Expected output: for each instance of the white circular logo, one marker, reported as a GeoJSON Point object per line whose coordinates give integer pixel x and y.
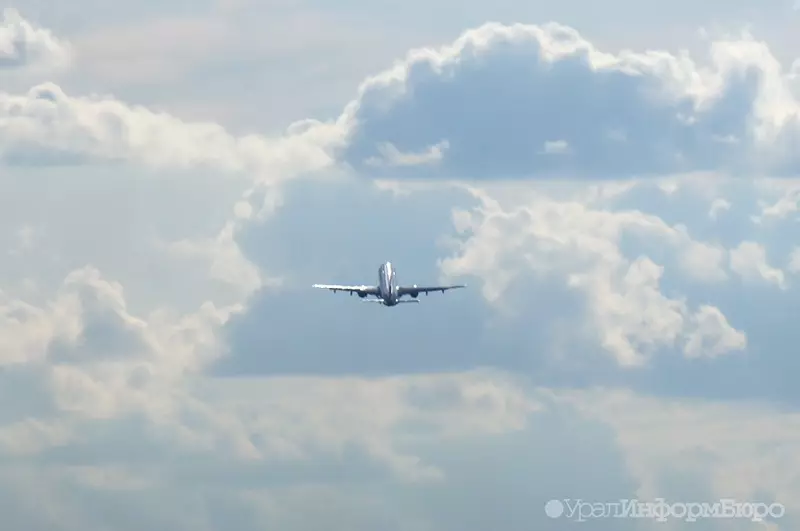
{"type": "Point", "coordinates": [554, 508]}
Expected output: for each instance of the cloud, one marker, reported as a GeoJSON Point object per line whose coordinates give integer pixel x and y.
{"type": "Point", "coordinates": [782, 206]}
{"type": "Point", "coordinates": [598, 446]}
{"type": "Point", "coordinates": [210, 62]}
{"type": "Point", "coordinates": [710, 439]}
{"type": "Point", "coordinates": [667, 328]}
{"type": "Point", "coordinates": [794, 260]}
{"type": "Point", "coordinates": [749, 260]}
{"type": "Point", "coordinates": [26, 46]}
{"type": "Point", "coordinates": [47, 126]}
{"type": "Point", "coordinates": [501, 94]}
{"type": "Point", "coordinates": [392, 157]}
{"type": "Point", "coordinates": [580, 247]}
{"type": "Point", "coordinates": [719, 205]}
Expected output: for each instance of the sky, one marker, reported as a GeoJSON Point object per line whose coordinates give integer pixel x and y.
{"type": "Point", "coordinates": [617, 185]}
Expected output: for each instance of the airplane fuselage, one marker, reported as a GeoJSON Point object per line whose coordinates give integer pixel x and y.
{"type": "Point", "coordinates": [387, 285]}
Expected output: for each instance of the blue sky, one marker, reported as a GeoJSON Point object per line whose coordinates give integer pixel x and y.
{"type": "Point", "coordinates": [616, 186]}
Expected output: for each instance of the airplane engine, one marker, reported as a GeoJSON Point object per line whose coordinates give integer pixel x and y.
{"type": "Point", "coordinates": [362, 294]}
{"type": "Point", "coordinates": [414, 294]}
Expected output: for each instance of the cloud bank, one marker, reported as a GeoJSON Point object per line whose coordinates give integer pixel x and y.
{"type": "Point", "coordinates": [525, 101]}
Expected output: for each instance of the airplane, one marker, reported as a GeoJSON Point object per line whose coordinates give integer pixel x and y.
{"type": "Point", "coordinates": [387, 292]}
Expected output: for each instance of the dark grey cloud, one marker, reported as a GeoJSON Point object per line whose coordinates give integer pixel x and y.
{"type": "Point", "coordinates": [298, 330]}
{"type": "Point", "coordinates": [503, 479]}
{"type": "Point", "coordinates": [341, 234]}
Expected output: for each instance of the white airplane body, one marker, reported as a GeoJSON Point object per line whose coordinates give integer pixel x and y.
{"type": "Point", "coordinates": [387, 292]}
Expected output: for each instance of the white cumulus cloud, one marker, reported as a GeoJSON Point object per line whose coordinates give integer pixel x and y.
{"type": "Point", "coordinates": [24, 45]}
{"type": "Point", "coordinates": [47, 126]}
{"type": "Point", "coordinates": [749, 260]}
{"type": "Point", "coordinates": [580, 246]}
{"type": "Point", "coordinates": [500, 93]}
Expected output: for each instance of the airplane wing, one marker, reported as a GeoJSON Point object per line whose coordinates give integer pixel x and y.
{"type": "Point", "coordinates": [416, 290]}
{"type": "Point", "coordinates": [362, 291]}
